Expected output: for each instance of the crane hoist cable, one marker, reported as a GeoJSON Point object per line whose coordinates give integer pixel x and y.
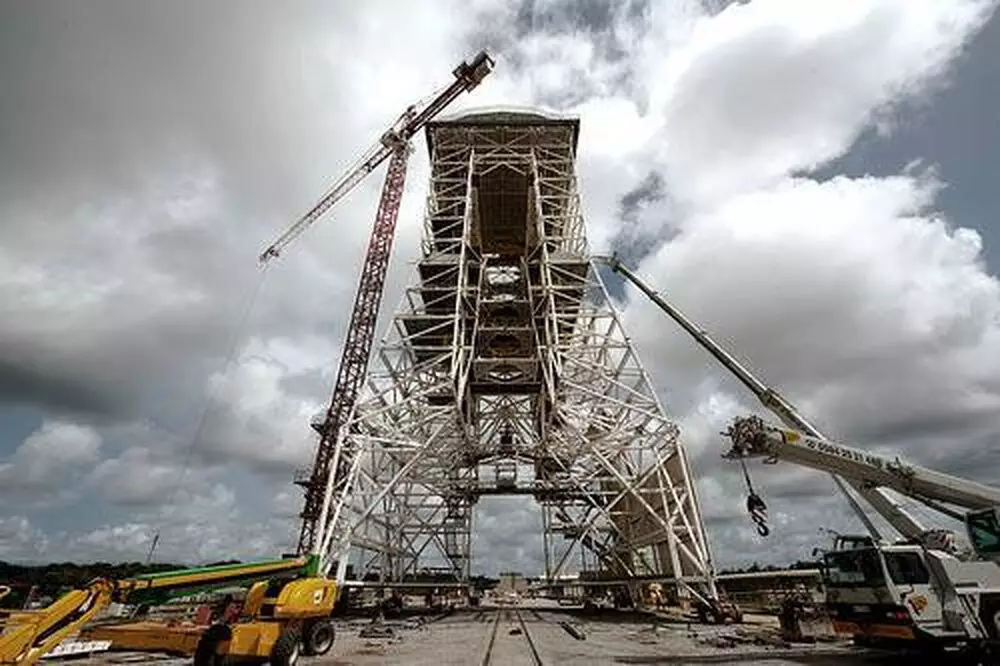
{"type": "Point", "coordinates": [235, 344]}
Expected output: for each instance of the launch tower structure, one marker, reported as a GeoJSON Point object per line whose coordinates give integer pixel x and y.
{"type": "Point", "coordinates": [506, 371]}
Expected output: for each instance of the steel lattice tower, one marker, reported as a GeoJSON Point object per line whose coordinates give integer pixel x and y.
{"type": "Point", "coordinates": [506, 371]}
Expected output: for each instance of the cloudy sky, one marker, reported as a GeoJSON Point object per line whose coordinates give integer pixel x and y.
{"type": "Point", "coordinates": [813, 182]}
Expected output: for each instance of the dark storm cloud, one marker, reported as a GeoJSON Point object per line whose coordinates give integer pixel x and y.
{"type": "Point", "coordinates": [22, 383]}
{"type": "Point", "coordinates": [312, 383]}
{"type": "Point", "coordinates": [507, 535]}
{"type": "Point", "coordinates": [95, 92]}
{"type": "Point", "coordinates": [216, 124]}
{"type": "Point", "coordinates": [592, 16]}
{"type": "Point", "coordinates": [611, 31]}
{"type": "Point", "coordinates": [650, 189]}
{"type": "Point", "coordinates": [157, 148]}
{"type": "Point", "coordinates": [644, 214]}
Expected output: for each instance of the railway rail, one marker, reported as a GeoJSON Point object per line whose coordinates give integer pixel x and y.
{"type": "Point", "coordinates": [490, 656]}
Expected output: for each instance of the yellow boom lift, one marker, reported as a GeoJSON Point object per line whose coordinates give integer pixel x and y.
{"type": "Point", "coordinates": [286, 616]}
{"type": "Point", "coordinates": [286, 612]}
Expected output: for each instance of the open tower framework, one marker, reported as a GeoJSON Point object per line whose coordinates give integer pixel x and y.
{"type": "Point", "coordinates": [506, 371]}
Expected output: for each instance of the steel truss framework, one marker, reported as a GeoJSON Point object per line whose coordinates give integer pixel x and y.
{"type": "Point", "coordinates": [506, 371]}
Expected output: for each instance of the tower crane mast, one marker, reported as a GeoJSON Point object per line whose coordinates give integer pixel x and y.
{"type": "Point", "coordinates": [395, 145]}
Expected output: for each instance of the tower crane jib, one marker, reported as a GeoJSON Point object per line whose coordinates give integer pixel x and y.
{"type": "Point", "coordinates": [394, 144]}
{"type": "Point", "coordinates": [468, 75]}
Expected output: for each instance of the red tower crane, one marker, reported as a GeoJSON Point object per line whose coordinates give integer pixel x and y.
{"type": "Point", "coordinates": [394, 143]}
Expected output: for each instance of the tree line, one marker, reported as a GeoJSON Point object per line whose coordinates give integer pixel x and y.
{"type": "Point", "coordinates": [55, 578]}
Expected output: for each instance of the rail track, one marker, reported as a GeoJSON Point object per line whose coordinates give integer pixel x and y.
{"type": "Point", "coordinates": [524, 633]}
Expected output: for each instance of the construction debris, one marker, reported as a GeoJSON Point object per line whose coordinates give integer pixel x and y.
{"type": "Point", "coordinates": [573, 631]}
{"type": "Point", "coordinates": [377, 631]}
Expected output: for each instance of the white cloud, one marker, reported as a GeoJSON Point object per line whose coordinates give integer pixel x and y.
{"type": "Point", "coordinates": [852, 295]}
{"type": "Point", "coordinates": [20, 539]}
{"type": "Point", "coordinates": [51, 454]}
{"type": "Point", "coordinates": [768, 87]}
{"type": "Point", "coordinates": [143, 476]}
{"type": "Point", "coordinates": [252, 417]}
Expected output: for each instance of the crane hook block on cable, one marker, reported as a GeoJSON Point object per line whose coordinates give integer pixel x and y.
{"type": "Point", "coordinates": [758, 513]}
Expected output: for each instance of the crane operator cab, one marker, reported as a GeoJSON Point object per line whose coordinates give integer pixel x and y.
{"type": "Point", "coordinates": [983, 526]}
{"type": "Point", "coordinates": [878, 593]}
{"type": "Point", "coordinates": [905, 592]}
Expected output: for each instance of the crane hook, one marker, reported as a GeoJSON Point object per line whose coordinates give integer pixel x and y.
{"type": "Point", "coordinates": [758, 513]}
{"type": "Point", "coordinates": [755, 505]}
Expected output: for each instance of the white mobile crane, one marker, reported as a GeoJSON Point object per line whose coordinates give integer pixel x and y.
{"type": "Point", "coordinates": [919, 590]}
{"type": "Point", "coordinates": [912, 590]}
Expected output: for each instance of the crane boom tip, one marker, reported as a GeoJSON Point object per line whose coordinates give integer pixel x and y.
{"type": "Point", "coordinates": [267, 255]}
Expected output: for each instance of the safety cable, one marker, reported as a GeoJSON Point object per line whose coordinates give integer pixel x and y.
{"type": "Point", "coordinates": [235, 344]}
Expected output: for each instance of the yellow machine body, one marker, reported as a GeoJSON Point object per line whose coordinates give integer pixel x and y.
{"type": "Point", "coordinates": [254, 636]}
{"type": "Point", "coordinates": [28, 635]}
{"type": "Point", "coordinates": [302, 598]}
{"type": "Point", "coordinates": [273, 613]}
{"type": "Point", "coordinates": [147, 636]}
{"type": "Point", "coordinates": [252, 639]}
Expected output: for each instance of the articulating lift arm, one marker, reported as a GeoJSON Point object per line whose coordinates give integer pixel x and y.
{"type": "Point", "coordinates": [27, 636]}
{"type": "Point", "coordinates": [894, 514]}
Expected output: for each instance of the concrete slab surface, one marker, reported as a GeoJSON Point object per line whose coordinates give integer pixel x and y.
{"type": "Point", "coordinates": [559, 636]}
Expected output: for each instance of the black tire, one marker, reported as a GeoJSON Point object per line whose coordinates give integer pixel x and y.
{"type": "Point", "coordinates": [286, 649]}
{"type": "Point", "coordinates": [204, 653]}
{"type": "Point", "coordinates": [318, 638]}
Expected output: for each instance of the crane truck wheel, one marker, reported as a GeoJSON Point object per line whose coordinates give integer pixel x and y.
{"type": "Point", "coordinates": [205, 652]}
{"type": "Point", "coordinates": [286, 648]}
{"type": "Point", "coordinates": [318, 638]}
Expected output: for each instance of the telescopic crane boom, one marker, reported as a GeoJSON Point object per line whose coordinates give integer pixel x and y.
{"type": "Point", "coordinates": [329, 468]}
{"type": "Point", "coordinates": [915, 593]}
{"type": "Point", "coordinates": [784, 410]}
{"type": "Point", "coordinates": [751, 436]}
